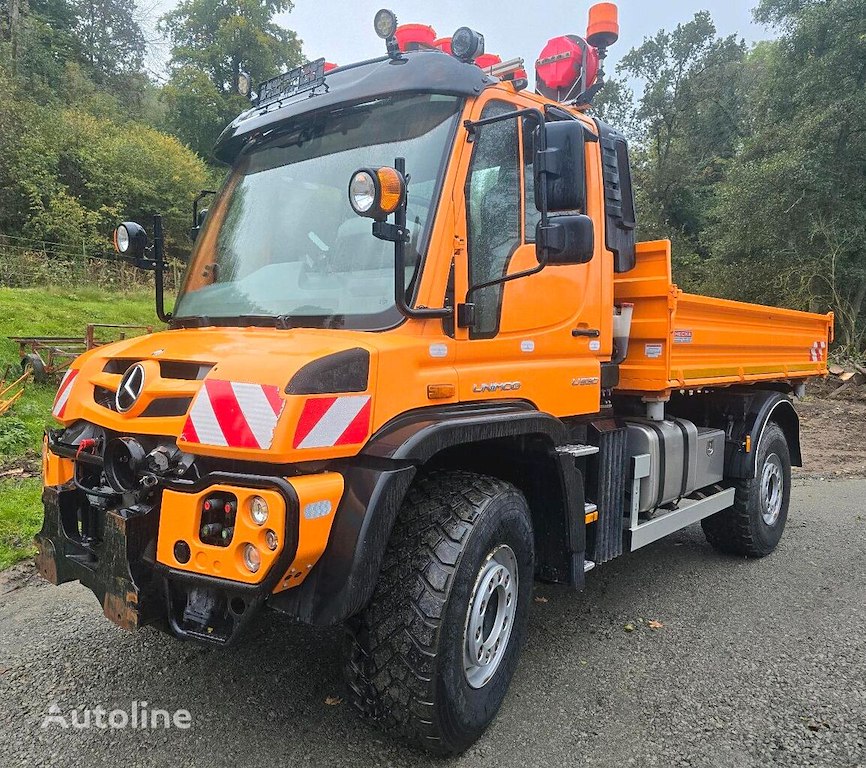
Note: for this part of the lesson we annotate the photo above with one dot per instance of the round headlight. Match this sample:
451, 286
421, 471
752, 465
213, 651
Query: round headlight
121, 239
252, 558
362, 192
271, 539
258, 510
467, 44
385, 24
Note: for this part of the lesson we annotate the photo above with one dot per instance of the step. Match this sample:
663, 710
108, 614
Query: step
577, 450
690, 511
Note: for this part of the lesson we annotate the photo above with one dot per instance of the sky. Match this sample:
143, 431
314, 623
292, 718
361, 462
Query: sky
341, 31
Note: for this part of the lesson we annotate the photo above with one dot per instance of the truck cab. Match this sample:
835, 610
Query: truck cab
417, 361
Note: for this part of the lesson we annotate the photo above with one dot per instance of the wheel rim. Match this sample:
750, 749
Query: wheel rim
772, 487
492, 607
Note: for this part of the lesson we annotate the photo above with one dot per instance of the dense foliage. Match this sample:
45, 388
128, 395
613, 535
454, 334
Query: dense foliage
751, 159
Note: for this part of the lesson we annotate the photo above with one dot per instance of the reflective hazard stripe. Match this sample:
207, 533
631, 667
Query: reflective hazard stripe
233, 414
329, 421
63, 393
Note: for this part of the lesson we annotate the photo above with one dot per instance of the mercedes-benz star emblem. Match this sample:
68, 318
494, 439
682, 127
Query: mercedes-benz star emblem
131, 386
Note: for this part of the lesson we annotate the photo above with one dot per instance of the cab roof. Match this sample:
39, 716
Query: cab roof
413, 72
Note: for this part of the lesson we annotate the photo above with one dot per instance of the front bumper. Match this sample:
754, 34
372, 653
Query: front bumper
114, 553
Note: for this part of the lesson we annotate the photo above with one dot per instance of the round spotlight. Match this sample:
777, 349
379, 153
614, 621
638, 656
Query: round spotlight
252, 558
362, 192
467, 44
130, 238
376, 193
121, 239
385, 24
258, 510
271, 539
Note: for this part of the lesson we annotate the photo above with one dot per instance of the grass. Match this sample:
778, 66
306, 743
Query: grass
45, 312
20, 519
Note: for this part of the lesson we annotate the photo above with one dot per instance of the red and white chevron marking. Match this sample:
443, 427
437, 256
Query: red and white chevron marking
816, 353
234, 415
63, 391
329, 421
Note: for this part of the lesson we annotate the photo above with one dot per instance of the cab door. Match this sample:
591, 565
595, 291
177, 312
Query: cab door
541, 337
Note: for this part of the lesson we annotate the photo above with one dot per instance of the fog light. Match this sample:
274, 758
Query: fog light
258, 510
252, 558
271, 539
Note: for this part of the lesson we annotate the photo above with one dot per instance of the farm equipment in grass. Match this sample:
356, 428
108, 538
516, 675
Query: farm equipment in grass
47, 356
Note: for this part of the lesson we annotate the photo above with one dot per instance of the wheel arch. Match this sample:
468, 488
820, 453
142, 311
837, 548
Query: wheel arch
510, 440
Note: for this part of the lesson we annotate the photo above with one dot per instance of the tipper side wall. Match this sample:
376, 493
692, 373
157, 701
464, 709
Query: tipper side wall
684, 341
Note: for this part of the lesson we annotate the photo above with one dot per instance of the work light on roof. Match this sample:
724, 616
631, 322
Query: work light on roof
385, 24
467, 44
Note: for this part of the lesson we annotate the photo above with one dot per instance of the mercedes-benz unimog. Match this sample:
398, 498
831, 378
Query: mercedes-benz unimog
418, 361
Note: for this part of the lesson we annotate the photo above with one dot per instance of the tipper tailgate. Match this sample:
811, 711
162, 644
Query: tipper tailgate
683, 341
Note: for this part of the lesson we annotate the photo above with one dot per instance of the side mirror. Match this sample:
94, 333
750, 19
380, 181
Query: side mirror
199, 221
560, 169
565, 240
130, 240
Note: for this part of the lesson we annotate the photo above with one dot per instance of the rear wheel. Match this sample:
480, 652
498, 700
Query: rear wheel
432, 655
754, 525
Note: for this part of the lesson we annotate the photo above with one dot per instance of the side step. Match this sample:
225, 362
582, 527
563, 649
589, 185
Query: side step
578, 450
690, 510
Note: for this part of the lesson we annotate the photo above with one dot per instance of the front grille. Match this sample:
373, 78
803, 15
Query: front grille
168, 369
104, 397
167, 406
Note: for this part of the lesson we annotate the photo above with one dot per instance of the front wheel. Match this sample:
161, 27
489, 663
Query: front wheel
754, 525
431, 657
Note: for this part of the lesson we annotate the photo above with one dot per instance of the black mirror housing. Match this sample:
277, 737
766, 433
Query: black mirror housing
200, 217
561, 167
567, 239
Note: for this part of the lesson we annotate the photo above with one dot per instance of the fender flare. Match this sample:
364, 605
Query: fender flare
377, 480
765, 407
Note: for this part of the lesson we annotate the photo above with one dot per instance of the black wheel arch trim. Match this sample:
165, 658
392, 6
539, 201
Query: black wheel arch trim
766, 407
342, 582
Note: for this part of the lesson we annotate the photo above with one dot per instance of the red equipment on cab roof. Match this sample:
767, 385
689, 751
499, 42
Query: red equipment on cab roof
415, 37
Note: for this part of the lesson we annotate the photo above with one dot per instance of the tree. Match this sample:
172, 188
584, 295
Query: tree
687, 125
792, 210
225, 37
112, 43
220, 39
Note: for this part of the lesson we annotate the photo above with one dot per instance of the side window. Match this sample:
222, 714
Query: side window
493, 213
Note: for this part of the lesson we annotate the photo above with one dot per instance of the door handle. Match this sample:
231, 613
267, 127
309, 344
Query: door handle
592, 333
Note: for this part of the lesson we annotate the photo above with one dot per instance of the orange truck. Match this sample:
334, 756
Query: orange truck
395, 409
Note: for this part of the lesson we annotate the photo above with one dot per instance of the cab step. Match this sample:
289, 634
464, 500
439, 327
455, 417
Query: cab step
577, 450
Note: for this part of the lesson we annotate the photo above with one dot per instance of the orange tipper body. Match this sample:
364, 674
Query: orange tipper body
472, 329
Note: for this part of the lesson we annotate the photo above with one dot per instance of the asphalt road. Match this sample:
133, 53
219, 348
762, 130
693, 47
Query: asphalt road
758, 663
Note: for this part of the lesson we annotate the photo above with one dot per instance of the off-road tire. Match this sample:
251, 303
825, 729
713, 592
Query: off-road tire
742, 529
405, 663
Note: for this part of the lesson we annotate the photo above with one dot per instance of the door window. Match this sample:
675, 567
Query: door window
493, 213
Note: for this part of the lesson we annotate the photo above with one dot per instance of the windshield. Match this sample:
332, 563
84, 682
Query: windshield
282, 240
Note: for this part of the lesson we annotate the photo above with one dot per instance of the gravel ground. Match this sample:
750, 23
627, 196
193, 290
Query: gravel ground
758, 663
